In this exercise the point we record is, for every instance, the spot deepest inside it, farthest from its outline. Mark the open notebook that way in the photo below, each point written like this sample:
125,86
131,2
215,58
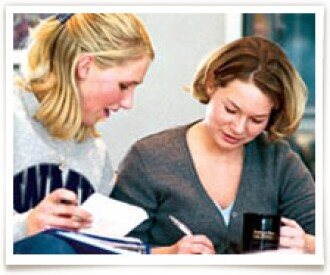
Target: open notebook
112,220
111,217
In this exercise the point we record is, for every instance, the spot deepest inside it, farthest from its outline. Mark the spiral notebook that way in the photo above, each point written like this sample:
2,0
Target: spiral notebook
112,221
85,243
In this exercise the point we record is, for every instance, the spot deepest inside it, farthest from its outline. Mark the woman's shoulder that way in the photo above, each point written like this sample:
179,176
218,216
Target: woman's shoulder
23,109
165,143
164,137
277,155
167,147
18,102
278,149
95,144
264,143
24,103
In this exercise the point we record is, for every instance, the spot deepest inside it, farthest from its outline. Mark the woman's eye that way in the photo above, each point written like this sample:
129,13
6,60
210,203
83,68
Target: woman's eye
229,110
123,86
257,121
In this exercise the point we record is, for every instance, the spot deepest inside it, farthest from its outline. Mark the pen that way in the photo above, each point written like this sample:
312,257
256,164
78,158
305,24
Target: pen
181,226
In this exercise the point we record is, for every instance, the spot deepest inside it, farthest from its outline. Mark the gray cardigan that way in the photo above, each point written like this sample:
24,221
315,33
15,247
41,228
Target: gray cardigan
158,174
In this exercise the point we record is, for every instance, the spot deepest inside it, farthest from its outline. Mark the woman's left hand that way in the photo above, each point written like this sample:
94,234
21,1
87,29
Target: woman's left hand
292,236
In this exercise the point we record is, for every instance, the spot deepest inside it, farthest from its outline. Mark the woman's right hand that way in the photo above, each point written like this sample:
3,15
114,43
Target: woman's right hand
196,244
51,212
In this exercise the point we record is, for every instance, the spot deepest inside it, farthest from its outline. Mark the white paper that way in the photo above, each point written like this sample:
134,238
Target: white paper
112,218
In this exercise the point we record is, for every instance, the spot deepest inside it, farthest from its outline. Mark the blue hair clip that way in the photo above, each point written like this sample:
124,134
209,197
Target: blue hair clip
63,17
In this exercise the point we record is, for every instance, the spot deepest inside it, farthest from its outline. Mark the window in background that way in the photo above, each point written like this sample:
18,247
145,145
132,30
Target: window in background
22,23
295,33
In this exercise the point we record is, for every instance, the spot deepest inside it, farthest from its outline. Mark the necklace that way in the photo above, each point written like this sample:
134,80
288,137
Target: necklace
62,150
62,164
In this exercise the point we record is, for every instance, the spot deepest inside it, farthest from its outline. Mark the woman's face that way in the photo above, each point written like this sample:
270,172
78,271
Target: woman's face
104,91
236,114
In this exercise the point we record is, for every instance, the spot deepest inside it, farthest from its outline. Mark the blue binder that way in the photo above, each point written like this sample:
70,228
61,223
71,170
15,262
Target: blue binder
85,243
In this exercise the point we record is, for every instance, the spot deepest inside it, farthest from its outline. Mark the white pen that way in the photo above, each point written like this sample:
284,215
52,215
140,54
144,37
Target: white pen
181,226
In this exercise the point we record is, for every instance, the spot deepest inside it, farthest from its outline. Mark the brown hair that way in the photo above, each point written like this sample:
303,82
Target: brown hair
264,63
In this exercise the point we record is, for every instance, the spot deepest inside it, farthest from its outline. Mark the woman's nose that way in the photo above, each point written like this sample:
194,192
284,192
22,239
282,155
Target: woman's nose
127,100
239,125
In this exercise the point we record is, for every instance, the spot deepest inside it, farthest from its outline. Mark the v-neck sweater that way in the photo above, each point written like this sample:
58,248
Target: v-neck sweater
158,174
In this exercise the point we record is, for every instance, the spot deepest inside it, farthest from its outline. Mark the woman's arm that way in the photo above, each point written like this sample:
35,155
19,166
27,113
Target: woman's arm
297,191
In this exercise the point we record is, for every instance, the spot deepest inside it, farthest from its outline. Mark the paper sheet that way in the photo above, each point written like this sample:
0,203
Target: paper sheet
112,218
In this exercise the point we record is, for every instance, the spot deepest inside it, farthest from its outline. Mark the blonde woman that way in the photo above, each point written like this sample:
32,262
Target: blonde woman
234,160
81,69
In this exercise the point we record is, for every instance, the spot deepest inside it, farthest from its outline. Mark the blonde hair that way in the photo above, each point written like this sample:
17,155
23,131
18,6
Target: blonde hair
113,39
264,63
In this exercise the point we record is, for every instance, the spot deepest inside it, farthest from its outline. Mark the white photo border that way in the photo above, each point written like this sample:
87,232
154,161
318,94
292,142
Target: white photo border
253,259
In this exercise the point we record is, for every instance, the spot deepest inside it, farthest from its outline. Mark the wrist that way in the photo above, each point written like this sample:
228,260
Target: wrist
309,244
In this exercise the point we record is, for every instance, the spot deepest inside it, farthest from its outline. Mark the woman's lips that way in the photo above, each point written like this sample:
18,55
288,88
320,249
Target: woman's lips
108,111
230,139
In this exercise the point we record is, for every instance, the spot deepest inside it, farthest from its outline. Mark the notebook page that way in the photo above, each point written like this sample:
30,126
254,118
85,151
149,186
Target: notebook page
112,218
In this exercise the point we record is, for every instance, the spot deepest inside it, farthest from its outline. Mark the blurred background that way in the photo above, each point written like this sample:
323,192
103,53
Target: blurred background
181,41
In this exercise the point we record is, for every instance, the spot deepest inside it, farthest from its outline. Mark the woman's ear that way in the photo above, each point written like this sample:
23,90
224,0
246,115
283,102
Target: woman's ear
209,87
84,64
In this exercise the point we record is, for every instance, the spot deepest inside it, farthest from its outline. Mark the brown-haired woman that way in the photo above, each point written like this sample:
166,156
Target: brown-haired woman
234,160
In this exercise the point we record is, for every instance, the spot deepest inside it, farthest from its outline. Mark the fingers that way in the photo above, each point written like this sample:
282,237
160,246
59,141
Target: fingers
52,212
202,239
62,195
72,211
201,249
66,205
292,236
197,244
67,223
292,243
289,222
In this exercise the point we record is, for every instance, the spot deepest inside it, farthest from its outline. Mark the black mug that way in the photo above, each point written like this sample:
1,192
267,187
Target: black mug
260,232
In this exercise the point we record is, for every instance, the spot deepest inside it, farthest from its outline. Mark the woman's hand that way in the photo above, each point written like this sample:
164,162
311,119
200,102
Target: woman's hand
53,212
293,237
196,244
